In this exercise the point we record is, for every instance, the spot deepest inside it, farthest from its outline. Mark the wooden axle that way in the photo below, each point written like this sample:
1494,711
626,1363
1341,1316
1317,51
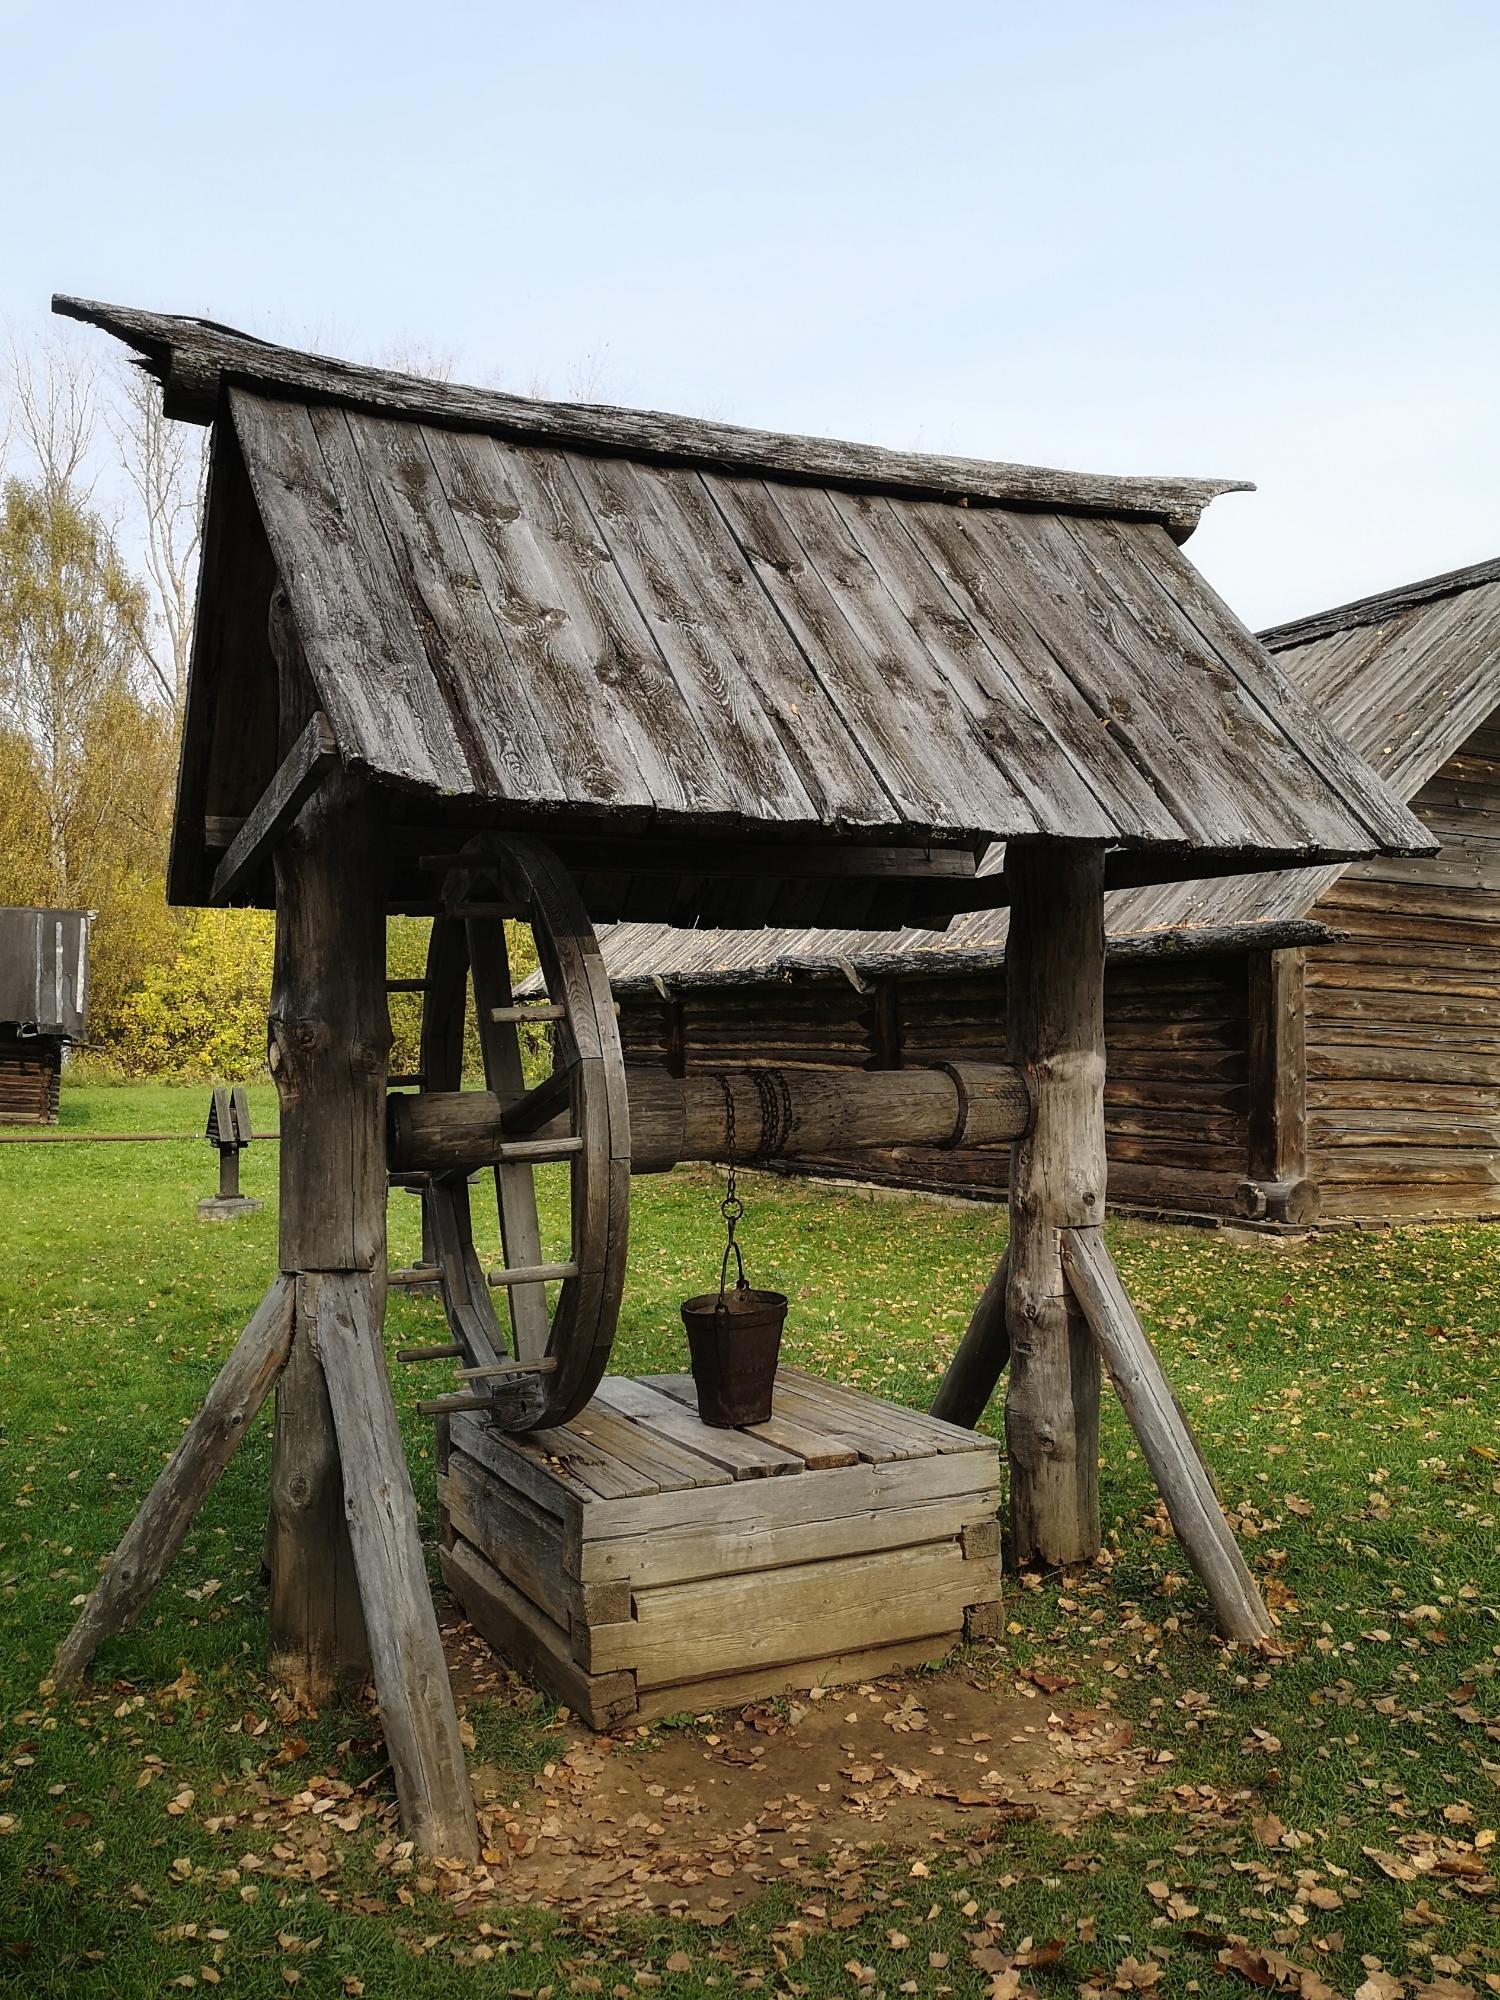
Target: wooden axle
777,1114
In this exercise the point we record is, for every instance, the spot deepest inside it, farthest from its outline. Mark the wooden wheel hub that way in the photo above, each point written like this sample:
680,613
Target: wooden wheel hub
546,1368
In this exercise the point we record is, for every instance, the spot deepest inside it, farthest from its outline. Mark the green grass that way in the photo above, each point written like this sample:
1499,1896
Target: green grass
1345,1394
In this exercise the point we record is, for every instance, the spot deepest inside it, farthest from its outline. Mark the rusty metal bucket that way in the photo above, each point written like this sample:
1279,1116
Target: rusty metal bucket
734,1338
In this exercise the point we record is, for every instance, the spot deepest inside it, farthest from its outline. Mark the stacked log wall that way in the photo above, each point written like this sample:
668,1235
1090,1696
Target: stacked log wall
1403,1016
30,1079
1176,1106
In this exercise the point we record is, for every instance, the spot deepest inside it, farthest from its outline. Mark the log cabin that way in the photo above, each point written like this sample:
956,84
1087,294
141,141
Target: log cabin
43,981
1283,1047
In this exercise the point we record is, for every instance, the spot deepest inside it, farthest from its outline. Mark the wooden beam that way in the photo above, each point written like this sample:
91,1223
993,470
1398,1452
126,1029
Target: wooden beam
1055,1015
417,1713
300,773
1169,1446
1278,1186
980,1359
205,1448
757,860
193,358
316,1641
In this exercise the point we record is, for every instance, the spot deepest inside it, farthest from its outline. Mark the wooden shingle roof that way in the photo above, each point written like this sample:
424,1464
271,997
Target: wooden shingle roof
606,622
1406,676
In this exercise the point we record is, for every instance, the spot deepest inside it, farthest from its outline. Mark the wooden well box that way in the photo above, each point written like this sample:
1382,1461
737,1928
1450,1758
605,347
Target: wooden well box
637,1563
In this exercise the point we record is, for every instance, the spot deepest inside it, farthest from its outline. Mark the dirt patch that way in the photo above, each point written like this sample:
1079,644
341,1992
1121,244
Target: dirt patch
702,1820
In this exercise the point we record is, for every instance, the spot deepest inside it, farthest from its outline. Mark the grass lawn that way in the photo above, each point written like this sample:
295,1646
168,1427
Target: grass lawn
1321,1821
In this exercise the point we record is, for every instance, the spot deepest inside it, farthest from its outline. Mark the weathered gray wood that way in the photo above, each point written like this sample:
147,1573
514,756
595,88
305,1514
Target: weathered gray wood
523,1633
298,776
316,1639
1168,1444
417,1713
330,1034
724,1624
1277,1060
685,1118
195,358
205,1448
739,1453
1055,1026
980,1360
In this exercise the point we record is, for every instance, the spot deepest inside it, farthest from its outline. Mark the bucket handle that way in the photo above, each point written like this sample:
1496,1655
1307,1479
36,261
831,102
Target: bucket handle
742,1284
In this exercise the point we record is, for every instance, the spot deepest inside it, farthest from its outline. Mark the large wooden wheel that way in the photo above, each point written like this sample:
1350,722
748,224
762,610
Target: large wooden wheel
556,1353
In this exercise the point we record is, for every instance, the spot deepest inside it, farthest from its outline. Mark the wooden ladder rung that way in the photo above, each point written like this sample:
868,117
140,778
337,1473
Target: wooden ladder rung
495,1371
520,1150
415,1274
531,1274
406,986
449,1352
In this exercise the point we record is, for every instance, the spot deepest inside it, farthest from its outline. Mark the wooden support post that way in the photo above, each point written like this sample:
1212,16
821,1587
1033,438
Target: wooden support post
329,1049
417,1712
1278,1186
966,1389
1055,1011
317,1628
1168,1443
205,1448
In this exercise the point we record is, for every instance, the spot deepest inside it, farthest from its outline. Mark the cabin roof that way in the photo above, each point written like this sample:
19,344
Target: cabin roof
43,971
1406,676
581,620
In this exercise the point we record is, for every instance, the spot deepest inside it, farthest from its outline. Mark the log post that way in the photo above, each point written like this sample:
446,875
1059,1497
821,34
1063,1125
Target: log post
1055,1010
337,1437
1278,1186
329,1040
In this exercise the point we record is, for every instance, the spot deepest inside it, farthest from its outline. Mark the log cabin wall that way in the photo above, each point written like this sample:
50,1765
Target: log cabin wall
1175,1099
1403,1019
30,1079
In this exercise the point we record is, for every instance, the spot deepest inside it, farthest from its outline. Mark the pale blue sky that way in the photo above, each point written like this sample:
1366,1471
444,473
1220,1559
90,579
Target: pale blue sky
1250,240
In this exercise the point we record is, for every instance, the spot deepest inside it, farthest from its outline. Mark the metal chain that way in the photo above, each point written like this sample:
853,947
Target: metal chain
731,1207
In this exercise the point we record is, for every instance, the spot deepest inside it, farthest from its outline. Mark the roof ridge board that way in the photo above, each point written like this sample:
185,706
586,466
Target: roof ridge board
1379,607
192,357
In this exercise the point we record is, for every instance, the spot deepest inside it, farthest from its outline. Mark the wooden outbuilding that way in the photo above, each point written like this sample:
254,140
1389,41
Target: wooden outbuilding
1325,1041
44,957
483,658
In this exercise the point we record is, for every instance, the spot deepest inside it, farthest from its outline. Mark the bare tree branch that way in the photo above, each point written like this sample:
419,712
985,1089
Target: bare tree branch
167,466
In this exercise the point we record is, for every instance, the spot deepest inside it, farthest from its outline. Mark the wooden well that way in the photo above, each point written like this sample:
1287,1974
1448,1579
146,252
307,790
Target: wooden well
638,1564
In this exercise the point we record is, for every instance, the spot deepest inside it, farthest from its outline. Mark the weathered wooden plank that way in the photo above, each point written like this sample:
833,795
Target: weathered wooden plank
1176,1464
911,770
493,1516
727,1624
695,622
417,1714
773,1503
469,651
361,639
741,1454
730,1691
1058,786
530,1641
298,776
148,1545
196,358
578,646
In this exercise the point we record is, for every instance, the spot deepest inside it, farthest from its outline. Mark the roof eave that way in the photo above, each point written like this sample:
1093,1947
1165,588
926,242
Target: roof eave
194,358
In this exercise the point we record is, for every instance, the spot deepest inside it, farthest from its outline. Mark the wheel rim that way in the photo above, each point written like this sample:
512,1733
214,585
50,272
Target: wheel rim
580,1115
